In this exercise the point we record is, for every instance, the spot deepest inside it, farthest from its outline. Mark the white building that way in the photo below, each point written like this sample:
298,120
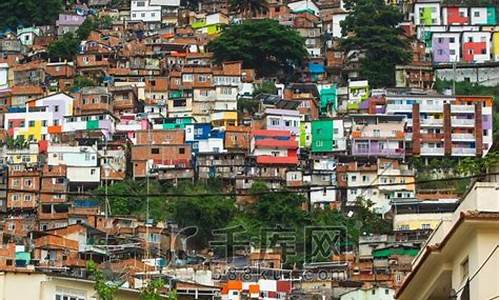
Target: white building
427,13
460,258
374,293
452,39
143,10
81,162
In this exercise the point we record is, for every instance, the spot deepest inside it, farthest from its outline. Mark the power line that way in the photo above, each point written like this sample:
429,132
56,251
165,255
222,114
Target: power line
478,270
311,188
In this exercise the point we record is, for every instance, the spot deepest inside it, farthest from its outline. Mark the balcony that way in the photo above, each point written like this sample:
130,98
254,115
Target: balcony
432,151
431,108
463,137
463,151
462,122
399,108
432,137
431,122
462,108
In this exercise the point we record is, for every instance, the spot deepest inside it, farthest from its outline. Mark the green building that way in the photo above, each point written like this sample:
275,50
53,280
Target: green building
328,99
327,135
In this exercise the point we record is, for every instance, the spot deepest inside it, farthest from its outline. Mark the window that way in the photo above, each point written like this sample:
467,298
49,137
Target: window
476,14
15,182
27,197
440,52
155,151
353,178
365,178
56,108
28,182
182,150
31,123
376,132
452,40
140,4
426,226
452,51
464,266
143,15
275,122
14,197
404,227
92,171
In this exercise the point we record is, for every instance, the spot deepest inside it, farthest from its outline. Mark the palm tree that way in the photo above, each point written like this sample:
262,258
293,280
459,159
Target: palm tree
248,8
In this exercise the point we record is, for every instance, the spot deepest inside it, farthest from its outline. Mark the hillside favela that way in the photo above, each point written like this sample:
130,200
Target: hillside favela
249,149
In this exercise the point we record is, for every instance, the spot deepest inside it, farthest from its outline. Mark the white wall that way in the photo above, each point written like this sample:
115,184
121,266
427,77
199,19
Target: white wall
83,174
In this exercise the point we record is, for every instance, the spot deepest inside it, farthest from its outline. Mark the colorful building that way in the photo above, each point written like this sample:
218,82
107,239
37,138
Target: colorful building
327,135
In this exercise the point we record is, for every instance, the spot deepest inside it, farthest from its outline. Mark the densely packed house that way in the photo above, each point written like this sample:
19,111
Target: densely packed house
158,107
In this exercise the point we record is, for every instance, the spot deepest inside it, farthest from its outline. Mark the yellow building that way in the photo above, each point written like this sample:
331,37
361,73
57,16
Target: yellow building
33,285
224,119
495,46
460,258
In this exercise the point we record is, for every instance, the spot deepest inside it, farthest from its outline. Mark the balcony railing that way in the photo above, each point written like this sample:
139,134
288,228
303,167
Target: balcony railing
462,122
399,107
463,151
427,150
431,108
462,108
432,122
463,136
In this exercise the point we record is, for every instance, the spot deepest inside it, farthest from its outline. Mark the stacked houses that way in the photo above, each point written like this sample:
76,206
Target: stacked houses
144,99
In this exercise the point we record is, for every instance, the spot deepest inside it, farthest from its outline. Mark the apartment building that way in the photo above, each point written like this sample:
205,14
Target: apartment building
382,182
41,119
378,135
82,165
444,125
459,259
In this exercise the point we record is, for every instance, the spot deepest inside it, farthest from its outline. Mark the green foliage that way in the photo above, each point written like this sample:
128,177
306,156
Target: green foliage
265,45
205,212
126,198
18,143
248,106
152,290
266,87
211,211
105,22
105,290
14,13
372,28
248,8
82,81
86,28
65,48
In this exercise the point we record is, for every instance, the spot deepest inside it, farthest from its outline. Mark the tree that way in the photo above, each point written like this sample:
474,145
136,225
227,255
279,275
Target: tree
18,143
127,199
152,290
248,8
65,48
105,290
86,28
265,45
14,13
266,87
82,81
206,213
372,29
